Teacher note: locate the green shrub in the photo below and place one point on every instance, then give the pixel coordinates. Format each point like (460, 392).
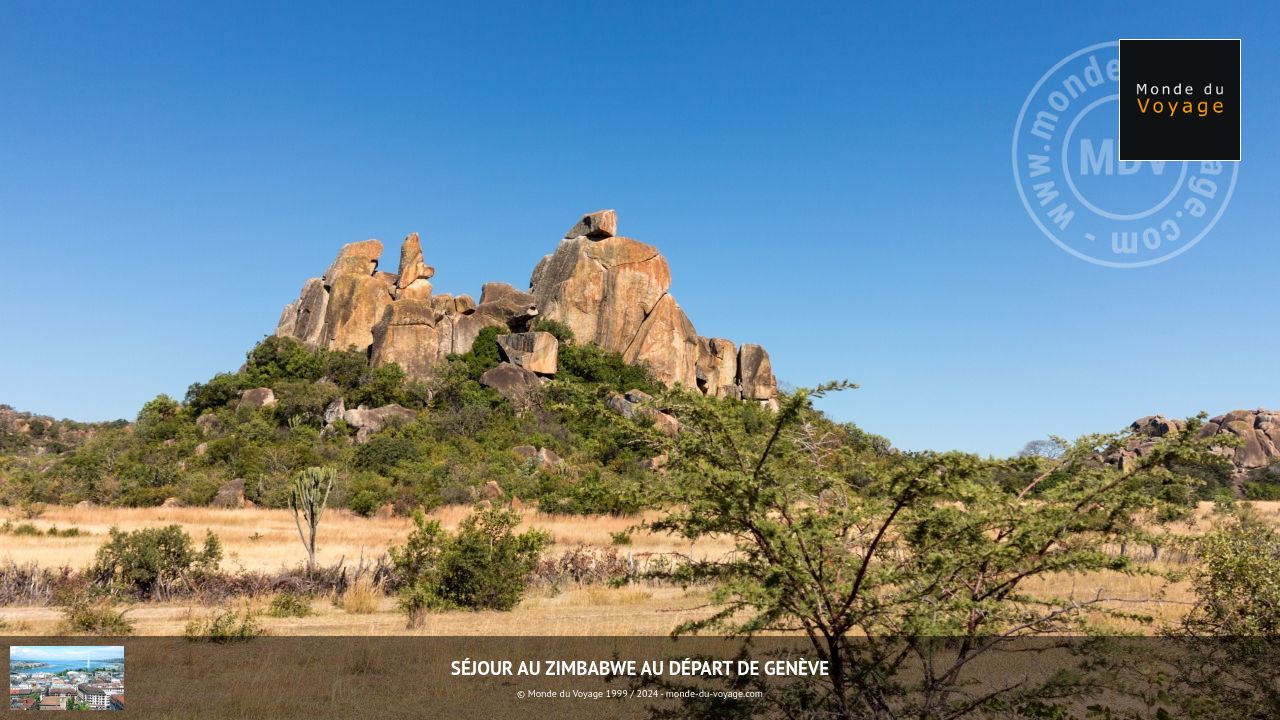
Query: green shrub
(152, 561)
(382, 385)
(562, 332)
(590, 363)
(597, 493)
(482, 356)
(368, 492)
(288, 604)
(87, 613)
(384, 452)
(1235, 579)
(485, 565)
(485, 347)
(280, 358)
(221, 390)
(224, 626)
(344, 368)
(1262, 484)
(160, 419)
(27, 529)
(304, 400)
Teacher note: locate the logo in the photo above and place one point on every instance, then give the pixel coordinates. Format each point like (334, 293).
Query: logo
(1107, 211)
(1180, 100)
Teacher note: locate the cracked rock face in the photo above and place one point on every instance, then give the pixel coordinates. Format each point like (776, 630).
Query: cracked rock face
(613, 292)
(717, 368)
(609, 290)
(534, 351)
(1258, 429)
(413, 335)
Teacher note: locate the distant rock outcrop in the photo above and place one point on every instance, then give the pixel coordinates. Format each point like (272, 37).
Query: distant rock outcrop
(1258, 430)
(612, 291)
(23, 433)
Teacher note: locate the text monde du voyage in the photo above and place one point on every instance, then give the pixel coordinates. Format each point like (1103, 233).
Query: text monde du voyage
(1179, 99)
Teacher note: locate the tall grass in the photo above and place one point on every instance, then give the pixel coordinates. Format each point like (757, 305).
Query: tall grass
(362, 597)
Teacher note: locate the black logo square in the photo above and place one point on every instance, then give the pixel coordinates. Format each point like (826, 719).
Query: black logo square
(1179, 99)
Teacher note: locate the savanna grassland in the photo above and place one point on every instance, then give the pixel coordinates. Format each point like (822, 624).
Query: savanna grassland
(464, 512)
(266, 540)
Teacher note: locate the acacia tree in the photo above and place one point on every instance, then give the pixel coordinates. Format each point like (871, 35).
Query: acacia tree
(307, 499)
(875, 557)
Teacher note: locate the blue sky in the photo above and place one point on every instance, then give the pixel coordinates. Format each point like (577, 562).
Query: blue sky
(828, 180)
(54, 653)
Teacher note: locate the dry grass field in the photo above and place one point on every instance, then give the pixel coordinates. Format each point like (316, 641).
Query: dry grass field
(267, 540)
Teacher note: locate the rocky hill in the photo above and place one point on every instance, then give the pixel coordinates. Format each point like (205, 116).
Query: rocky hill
(1254, 454)
(24, 433)
(609, 290)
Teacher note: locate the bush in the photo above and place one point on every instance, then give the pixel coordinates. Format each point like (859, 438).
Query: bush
(85, 613)
(485, 347)
(304, 400)
(224, 626)
(280, 358)
(368, 492)
(382, 386)
(1235, 580)
(221, 390)
(484, 566)
(344, 368)
(160, 419)
(592, 364)
(384, 452)
(595, 494)
(482, 356)
(152, 561)
(286, 605)
(562, 332)
(487, 564)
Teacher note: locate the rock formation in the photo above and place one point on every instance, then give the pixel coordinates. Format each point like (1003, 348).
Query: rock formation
(601, 224)
(513, 382)
(534, 351)
(368, 422)
(414, 280)
(230, 495)
(636, 404)
(610, 290)
(543, 458)
(257, 398)
(1258, 430)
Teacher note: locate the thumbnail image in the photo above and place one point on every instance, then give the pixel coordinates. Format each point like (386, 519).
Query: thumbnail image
(66, 677)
